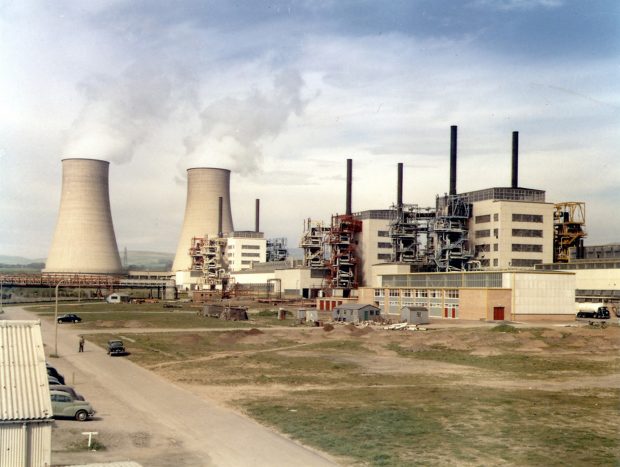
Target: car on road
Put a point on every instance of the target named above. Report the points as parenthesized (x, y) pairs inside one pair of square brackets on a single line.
[(63, 405), (69, 390), (51, 371), (69, 318), (116, 347)]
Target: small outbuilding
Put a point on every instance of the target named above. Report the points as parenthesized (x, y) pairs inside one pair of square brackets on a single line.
[(26, 415), (355, 313), (118, 298), (414, 315)]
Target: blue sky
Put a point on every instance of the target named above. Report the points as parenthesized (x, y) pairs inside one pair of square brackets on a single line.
[(283, 92)]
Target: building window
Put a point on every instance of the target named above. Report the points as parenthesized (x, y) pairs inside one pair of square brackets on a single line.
[(484, 263), (526, 247), (483, 233), (407, 293), (483, 248), (451, 293), (527, 233), (246, 262), (495, 262), (496, 217), (483, 219), (384, 256), (495, 246), (528, 263), (378, 292), (250, 247), (250, 255), (421, 294), (394, 293), (383, 233), (527, 218), (384, 245)]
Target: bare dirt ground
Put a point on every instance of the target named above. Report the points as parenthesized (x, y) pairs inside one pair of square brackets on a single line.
[(150, 417)]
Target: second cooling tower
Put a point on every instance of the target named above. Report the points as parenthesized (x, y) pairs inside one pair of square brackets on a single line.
[(84, 240), (205, 186)]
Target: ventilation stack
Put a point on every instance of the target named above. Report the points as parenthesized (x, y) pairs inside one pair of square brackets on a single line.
[(84, 240), (204, 188), (515, 160), (453, 138)]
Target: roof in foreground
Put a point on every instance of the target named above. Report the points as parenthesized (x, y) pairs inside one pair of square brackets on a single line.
[(24, 391), (354, 306)]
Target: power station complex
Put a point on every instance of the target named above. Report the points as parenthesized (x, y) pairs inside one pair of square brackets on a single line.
[(495, 253)]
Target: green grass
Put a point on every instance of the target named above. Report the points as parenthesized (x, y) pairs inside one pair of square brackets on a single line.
[(523, 365), (439, 425)]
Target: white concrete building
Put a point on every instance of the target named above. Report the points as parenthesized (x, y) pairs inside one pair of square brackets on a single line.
[(243, 249)]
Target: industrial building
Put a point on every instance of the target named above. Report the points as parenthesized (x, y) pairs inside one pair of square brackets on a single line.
[(26, 415)]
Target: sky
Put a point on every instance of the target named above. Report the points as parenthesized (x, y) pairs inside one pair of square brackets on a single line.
[(283, 92)]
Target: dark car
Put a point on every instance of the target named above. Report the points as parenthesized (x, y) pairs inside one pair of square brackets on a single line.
[(116, 347), (70, 318), (51, 371)]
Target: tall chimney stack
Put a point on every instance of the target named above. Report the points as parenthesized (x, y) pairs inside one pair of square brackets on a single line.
[(349, 185), (257, 216), (399, 188), (220, 216), (515, 159), (453, 160)]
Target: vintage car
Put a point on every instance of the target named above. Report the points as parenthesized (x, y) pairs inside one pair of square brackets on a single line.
[(116, 347), (63, 405)]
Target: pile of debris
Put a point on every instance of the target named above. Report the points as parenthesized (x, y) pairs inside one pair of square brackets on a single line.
[(404, 327), (225, 312)]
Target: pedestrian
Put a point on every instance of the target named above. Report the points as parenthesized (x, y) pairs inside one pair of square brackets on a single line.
[(81, 344)]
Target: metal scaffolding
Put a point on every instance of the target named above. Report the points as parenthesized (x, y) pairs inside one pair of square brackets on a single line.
[(343, 261), (276, 249), (450, 233), (313, 243), (569, 220), (409, 229), (208, 257)]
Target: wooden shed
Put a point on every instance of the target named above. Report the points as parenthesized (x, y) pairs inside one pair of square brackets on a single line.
[(414, 315), (355, 313)]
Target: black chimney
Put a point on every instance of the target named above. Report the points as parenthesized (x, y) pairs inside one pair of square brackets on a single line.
[(257, 218), (220, 210), (515, 159), (399, 188), (349, 185), (453, 160)]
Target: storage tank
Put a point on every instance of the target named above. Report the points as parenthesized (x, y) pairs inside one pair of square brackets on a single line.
[(84, 240), (205, 187)]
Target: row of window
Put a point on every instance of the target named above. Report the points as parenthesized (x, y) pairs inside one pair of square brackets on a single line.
[(384, 245), (538, 218), (419, 293), (515, 233), (250, 247), (525, 247)]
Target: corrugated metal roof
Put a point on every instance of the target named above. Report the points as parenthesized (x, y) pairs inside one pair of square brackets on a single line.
[(354, 306), (24, 391)]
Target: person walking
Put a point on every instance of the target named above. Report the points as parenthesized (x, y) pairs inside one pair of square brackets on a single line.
[(81, 344)]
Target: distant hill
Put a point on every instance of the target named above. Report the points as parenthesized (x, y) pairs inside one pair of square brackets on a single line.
[(152, 260)]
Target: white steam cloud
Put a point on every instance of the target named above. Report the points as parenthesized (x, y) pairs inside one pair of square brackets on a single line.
[(121, 112), (234, 130)]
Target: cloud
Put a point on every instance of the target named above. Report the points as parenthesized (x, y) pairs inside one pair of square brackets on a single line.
[(234, 129)]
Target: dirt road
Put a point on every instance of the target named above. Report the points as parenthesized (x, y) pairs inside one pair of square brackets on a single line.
[(144, 418)]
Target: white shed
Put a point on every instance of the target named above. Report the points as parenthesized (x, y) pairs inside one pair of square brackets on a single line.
[(25, 404)]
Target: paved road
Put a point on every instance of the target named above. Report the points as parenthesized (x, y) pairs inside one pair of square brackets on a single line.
[(130, 399)]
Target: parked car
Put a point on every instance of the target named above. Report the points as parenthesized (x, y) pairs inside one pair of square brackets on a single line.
[(116, 347), (69, 390), (63, 405), (52, 381), (69, 318), (51, 371)]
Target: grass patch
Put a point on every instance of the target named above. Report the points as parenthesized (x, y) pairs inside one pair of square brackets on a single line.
[(505, 328), (434, 425)]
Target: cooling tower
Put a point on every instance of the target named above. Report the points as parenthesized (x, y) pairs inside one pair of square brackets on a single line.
[(204, 188), (84, 240)]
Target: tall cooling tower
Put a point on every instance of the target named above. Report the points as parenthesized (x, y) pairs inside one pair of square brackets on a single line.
[(84, 241), (205, 186)]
